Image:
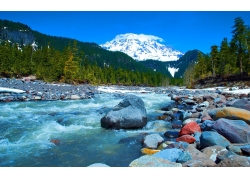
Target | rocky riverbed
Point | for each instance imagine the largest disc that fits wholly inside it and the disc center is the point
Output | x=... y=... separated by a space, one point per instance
x=206 y=127
x=210 y=128
x=39 y=90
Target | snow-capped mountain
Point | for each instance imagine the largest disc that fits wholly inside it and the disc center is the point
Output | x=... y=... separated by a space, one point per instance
x=142 y=47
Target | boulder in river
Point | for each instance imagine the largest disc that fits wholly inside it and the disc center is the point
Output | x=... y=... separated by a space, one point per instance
x=130 y=113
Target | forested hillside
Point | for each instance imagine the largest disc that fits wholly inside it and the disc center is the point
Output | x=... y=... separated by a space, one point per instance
x=26 y=52
x=230 y=57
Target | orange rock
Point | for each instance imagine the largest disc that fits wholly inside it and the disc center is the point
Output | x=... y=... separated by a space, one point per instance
x=148 y=151
x=55 y=141
x=190 y=128
x=186 y=138
x=234 y=113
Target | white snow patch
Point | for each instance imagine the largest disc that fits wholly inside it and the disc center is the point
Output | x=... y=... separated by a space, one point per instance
x=142 y=47
x=173 y=70
x=34 y=46
x=3 y=89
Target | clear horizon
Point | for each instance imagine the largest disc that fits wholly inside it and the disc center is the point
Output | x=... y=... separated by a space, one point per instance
x=183 y=30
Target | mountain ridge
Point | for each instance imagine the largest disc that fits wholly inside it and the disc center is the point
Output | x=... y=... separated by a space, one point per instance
x=142 y=47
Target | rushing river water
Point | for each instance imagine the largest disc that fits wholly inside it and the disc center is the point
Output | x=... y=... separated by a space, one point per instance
x=27 y=128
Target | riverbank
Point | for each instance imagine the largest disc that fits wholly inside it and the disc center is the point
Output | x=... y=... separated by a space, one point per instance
x=188 y=125
x=35 y=90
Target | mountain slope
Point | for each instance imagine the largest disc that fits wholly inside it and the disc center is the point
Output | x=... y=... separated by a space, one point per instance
x=24 y=35
x=180 y=65
x=142 y=47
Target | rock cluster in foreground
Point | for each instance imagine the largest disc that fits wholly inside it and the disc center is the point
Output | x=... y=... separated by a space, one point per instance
x=207 y=130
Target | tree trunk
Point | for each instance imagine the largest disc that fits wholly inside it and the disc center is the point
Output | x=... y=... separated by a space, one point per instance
x=241 y=72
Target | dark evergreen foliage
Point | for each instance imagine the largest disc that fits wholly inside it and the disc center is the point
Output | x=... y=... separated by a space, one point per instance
x=228 y=59
x=68 y=60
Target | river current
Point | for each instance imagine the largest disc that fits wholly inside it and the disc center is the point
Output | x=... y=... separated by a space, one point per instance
x=68 y=133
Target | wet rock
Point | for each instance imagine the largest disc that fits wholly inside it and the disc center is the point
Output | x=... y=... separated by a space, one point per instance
x=234 y=161
x=190 y=102
x=245 y=150
x=148 y=151
x=223 y=154
x=220 y=99
x=209 y=97
x=185 y=122
x=213 y=151
x=138 y=139
x=171 y=133
x=184 y=115
x=196 y=163
x=236 y=148
x=230 y=113
x=211 y=138
x=184 y=157
x=205 y=116
x=55 y=141
x=180 y=145
x=152 y=161
x=168 y=107
x=236 y=131
x=98 y=165
x=239 y=103
x=199 y=159
x=197 y=136
x=152 y=141
x=186 y=138
x=207 y=125
x=169 y=113
x=129 y=113
x=169 y=154
x=177 y=124
x=190 y=128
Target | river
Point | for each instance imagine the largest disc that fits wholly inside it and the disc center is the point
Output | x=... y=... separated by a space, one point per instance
x=28 y=130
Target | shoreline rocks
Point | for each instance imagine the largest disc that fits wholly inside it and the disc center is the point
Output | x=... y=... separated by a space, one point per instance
x=215 y=126
x=36 y=90
x=198 y=138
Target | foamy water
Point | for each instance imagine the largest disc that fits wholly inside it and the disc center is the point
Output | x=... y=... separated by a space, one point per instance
x=27 y=128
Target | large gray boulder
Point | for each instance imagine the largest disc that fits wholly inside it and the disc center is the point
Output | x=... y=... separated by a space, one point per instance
x=130 y=113
x=236 y=131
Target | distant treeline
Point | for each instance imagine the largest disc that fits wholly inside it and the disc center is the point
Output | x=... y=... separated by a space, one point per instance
x=70 y=66
x=67 y=60
x=229 y=58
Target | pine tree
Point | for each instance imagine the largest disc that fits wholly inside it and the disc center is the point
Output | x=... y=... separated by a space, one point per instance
x=239 y=40
x=70 y=69
x=214 y=58
x=223 y=57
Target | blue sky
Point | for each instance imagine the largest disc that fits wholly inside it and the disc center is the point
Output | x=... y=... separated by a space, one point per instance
x=183 y=30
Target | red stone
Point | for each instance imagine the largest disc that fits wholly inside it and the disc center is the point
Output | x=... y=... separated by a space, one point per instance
x=186 y=138
x=190 y=128
x=55 y=141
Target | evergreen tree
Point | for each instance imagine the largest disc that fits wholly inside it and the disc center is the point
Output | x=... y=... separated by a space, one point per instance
x=239 y=39
x=70 y=69
x=223 y=57
x=214 y=58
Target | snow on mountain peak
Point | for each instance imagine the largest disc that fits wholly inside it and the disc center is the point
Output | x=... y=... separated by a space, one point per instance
x=140 y=37
x=142 y=47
